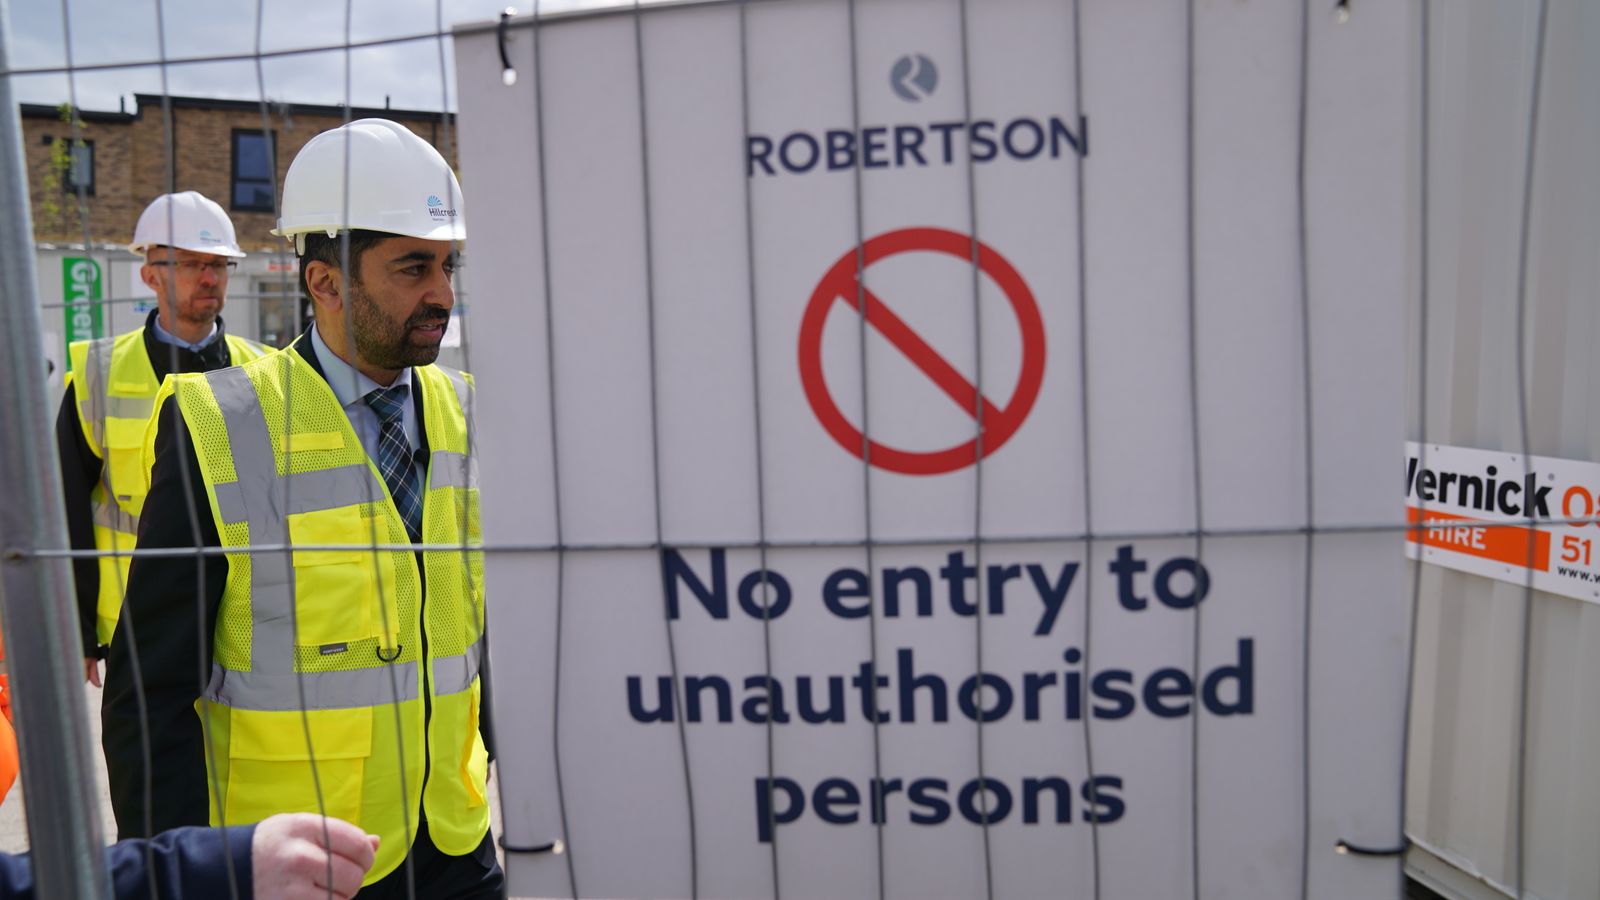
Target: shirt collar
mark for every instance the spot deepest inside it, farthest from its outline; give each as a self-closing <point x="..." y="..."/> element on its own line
<point x="167" y="337"/>
<point x="348" y="383"/>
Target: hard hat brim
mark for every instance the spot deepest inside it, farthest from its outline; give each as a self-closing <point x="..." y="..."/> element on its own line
<point x="211" y="249"/>
<point x="445" y="232"/>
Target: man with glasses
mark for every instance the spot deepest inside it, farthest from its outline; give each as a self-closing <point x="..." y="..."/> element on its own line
<point x="189" y="250"/>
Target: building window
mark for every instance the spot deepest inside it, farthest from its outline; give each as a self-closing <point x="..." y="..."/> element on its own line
<point x="76" y="167"/>
<point x="80" y="170"/>
<point x="253" y="155"/>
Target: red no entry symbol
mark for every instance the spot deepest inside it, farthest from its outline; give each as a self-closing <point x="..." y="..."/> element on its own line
<point x="999" y="423"/>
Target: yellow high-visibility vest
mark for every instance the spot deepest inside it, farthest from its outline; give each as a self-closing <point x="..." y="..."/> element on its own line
<point x="115" y="400"/>
<point x="334" y="668"/>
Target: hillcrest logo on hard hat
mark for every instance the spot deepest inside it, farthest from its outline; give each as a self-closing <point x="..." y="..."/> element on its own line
<point x="436" y="208"/>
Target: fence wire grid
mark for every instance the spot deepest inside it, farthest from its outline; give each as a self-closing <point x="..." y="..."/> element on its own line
<point x="428" y="42"/>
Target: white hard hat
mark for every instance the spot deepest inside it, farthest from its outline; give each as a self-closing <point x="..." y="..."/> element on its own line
<point x="398" y="184"/>
<point x="188" y="221"/>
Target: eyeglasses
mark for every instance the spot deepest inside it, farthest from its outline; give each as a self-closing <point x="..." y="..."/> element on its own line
<point x="220" y="268"/>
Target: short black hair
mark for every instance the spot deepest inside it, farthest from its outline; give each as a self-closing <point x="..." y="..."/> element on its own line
<point x="327" y="249"/>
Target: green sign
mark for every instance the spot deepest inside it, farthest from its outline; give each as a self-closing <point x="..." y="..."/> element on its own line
<point x="80" y="290"/>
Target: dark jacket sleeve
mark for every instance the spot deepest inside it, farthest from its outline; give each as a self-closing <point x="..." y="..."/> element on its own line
<point x="80" y="472"/>
<point x="184" y="863"/>
<point x="165" y="629"/>
<point x="16" y="876"/>
<point x="486" y="704"/>
<point x="188" y="863"/>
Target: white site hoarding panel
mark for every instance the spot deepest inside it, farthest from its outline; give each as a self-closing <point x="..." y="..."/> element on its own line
<point x="1503" y="793"/>
<point x="677" y="363"/>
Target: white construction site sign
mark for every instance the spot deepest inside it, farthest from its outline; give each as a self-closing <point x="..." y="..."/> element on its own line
<point x="848" y="404"/>
<point x="1526" y="520"/>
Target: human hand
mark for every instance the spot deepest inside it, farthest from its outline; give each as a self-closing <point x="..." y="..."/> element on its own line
<point x="289" y="859"/>
<point x="91" y="671"/>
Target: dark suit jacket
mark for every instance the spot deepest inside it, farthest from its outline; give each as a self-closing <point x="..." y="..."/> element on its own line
<point x="186" y="863"/>
<point x="166" y="629"/>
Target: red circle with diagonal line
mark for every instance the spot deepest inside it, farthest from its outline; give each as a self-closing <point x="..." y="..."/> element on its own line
<point x="840" y="283"/>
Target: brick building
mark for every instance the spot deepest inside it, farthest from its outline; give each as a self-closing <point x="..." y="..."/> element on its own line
<point x="217" y="147"/>
<point x="220" y="148"/>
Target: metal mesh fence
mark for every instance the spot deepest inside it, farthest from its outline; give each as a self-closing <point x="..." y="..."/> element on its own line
<point x="424" y="37"/>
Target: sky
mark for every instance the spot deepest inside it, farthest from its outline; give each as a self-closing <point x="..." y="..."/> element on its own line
<point x="408" y="75"/>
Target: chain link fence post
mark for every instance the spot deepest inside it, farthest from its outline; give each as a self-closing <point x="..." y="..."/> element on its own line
<point x="41" y="628"/>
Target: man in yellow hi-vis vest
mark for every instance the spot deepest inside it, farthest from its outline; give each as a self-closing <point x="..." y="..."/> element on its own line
<point x="189" y="249"/>
<point x="342" y="674"/>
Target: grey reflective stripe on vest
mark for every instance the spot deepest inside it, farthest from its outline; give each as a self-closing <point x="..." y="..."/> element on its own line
<point x="110" y="515"/>
<point x="448" y="468"/>
<point x="454" y="674"/>
<point x="352" y="689"/>
<point x="464" y="396"/>
<point x="291" y="494"/>
<point x="92" y="397"/>
<point x="129" y="407"/>
<point x="463" y="389"/>
<point x="265" y="500"/>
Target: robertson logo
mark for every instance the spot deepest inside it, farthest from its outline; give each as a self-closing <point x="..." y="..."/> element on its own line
<point x="914" y="77"/>
<point x="1484" y="492"/>
<point x="895" y="145"/>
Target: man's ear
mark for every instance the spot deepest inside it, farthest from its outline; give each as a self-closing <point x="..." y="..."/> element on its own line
<point x="325" y="284"/>
<point x="147" y="274"/>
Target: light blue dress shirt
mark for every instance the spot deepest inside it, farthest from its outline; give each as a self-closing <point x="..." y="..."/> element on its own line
<point x="166" y="337"/>
<point x="352" y="387"/>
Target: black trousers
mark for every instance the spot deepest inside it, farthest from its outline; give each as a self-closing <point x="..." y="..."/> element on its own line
<point x="438" y="876"/>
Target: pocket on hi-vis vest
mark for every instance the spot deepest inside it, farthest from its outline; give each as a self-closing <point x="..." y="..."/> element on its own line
<point x="124" y="450"/>
<point x="269" y="763"/>
<point x="474" y="757"/>
<point x="337" y="592"/>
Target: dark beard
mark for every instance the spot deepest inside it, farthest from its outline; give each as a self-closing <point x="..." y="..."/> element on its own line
<point x="382" y="343"/>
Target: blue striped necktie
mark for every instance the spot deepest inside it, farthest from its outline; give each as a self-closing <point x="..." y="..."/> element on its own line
<point x="394" y="455"/>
